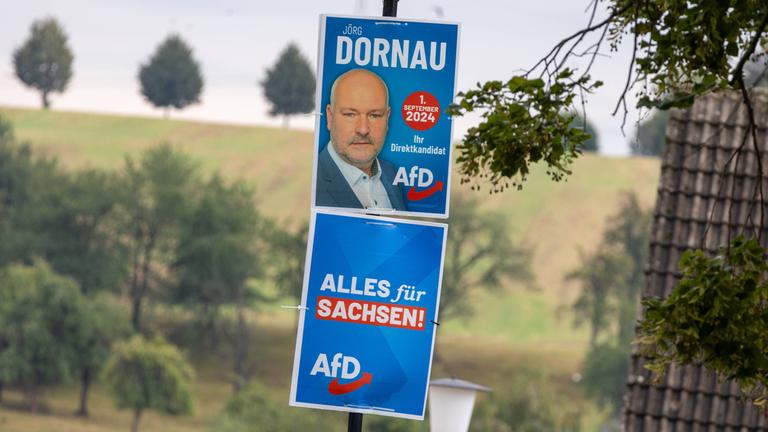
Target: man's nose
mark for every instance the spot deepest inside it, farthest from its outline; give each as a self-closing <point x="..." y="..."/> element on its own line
<point x="362" y="126"/>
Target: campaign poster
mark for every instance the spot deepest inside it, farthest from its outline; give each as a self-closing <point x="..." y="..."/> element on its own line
<point x="383" y="136"/>
<point x="367" y="331"/>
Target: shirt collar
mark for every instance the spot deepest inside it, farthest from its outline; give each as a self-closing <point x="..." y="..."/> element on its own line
<point x="350" y="172"/>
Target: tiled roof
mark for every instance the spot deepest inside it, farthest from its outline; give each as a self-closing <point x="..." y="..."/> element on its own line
<point x="696" y="194"/>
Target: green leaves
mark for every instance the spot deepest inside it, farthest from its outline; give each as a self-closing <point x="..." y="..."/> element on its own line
<point x="44" y="62"/>
<point x="150" y="374"/>
<point x="525" y="121"/>
<point x="716" y="316"/>
<point x="290" y="84"/>
<point x="687" y="48"/>
<point x="681" y="49"/>
<point x="42" y="320"/>
<point x="172" y="77"/>
<point x="217" y="246"/>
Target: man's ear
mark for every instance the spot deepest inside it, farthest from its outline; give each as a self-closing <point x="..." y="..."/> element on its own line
<point x="328" y="115"/>
<point x="389" y="111"/>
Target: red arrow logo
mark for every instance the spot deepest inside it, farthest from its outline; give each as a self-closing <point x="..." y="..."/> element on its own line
<point x="414" y="195"/>
<point x="335" y="388"/>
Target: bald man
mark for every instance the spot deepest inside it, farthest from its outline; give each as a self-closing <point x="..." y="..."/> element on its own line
<point x="349" y="171"/>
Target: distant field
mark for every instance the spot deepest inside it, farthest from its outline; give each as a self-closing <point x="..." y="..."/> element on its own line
<point x="277" y="161"/>
<point x="556" y="219"/>
<point x="469" y="358"/>
<point x="512" y="331"/>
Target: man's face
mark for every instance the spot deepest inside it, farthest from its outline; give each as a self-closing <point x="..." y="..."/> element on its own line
<point x="358" y="118"/>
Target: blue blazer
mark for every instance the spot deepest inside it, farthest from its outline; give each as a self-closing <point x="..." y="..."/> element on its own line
<point x="332" y="189"/>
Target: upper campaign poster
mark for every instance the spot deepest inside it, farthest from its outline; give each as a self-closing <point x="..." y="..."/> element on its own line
<point x="383" y="139"/>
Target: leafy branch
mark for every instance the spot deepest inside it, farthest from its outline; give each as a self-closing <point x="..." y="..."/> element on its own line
<point x="524" y="122"/>
<point x="681" y="50"/>
<point x="717" y="317"/>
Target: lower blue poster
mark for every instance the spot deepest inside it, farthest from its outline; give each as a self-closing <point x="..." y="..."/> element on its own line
<point x="366" y="334"/>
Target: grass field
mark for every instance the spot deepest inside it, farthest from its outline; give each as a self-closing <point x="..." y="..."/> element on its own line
<point x="555" y="219"/>
<point x="470" y="358"/>
<point x="511" y="328"/>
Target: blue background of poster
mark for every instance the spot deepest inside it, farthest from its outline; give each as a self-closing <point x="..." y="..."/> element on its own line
<point x="401" y="83"/>
<point x="399" y="359"/>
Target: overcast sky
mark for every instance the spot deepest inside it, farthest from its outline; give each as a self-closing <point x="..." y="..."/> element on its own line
<point x="236" y="40"/>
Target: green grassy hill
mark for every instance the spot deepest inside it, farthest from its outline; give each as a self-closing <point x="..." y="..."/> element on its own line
<point x="556" y="219"/>
<point x="512" y="329"/>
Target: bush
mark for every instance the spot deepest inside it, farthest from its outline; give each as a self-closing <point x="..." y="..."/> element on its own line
<point x="258" y="409"/>
<point x="149" y="375"/>
<point x="528" y="403"/>
<point x="605" y="374"/>
<point x="41" y="318"/>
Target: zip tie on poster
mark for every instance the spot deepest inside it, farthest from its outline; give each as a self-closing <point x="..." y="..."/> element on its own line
<point x="297" y="307"/>
<point x="384" y="224"/>
<point x="379" y="211"/>
<point x="434" y="322"/>
<point x="369" y="407"/>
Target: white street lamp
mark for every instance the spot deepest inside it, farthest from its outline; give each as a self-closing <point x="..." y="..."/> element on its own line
<point x="450" y="404"/>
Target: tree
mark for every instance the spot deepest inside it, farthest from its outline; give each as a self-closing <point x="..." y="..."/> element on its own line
<point x="44" y="62"/>
<point x="80" y="229"/>
<point x="756" y="70"/>
<point x="600" y="276"/>
<point x="479" y="255"/>
<point x="681" y="50"/>
<point x="40" y="322"/>
<point x="217" y="253"/>
<point x="101" y="324"/>
<point x="715" y="317"/>
<point x="605" y="374"/>
<point x="69" y="220"/>
<point x="288" y="252"/>
<point x="76" y="220"/>
<point x="628" y="234"/>
<point x="25" y="183"/>
<point x="6" y="130"/>
<point x="149" y="374"/>
<point x="611" y="280"/>
<point x="591" y="144"/>
<point x="290" y="84"/>
<point x="651" y="135"/>
<point x="10" y="164"/>
<point x="158" y="193"/>
<point x="172" y="76"/>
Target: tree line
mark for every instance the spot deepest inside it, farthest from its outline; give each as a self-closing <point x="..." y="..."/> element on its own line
<point x="611" y="279"/>
<point x="85" y="252"/>
<point x="76" y="245"/>
<point x="171" y="77"/>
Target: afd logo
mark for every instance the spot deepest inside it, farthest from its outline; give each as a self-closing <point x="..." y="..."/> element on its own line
<point x="346" y="367"/>
<point x="417" y="176"/>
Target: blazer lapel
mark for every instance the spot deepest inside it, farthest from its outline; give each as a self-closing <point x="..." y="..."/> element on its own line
<point x="334" y="183"/>
<point x="393" y="192"/>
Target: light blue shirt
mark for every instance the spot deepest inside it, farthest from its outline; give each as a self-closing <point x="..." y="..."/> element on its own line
<point x="368" y="189"/>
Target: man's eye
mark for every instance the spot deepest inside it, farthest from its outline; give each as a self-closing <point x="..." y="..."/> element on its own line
<point x="348" y="114"/>
<point x="375" y="115"/>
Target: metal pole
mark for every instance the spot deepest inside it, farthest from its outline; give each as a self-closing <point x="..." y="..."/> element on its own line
<point x="390" y="8"/>
<point x="355" y="423"/>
